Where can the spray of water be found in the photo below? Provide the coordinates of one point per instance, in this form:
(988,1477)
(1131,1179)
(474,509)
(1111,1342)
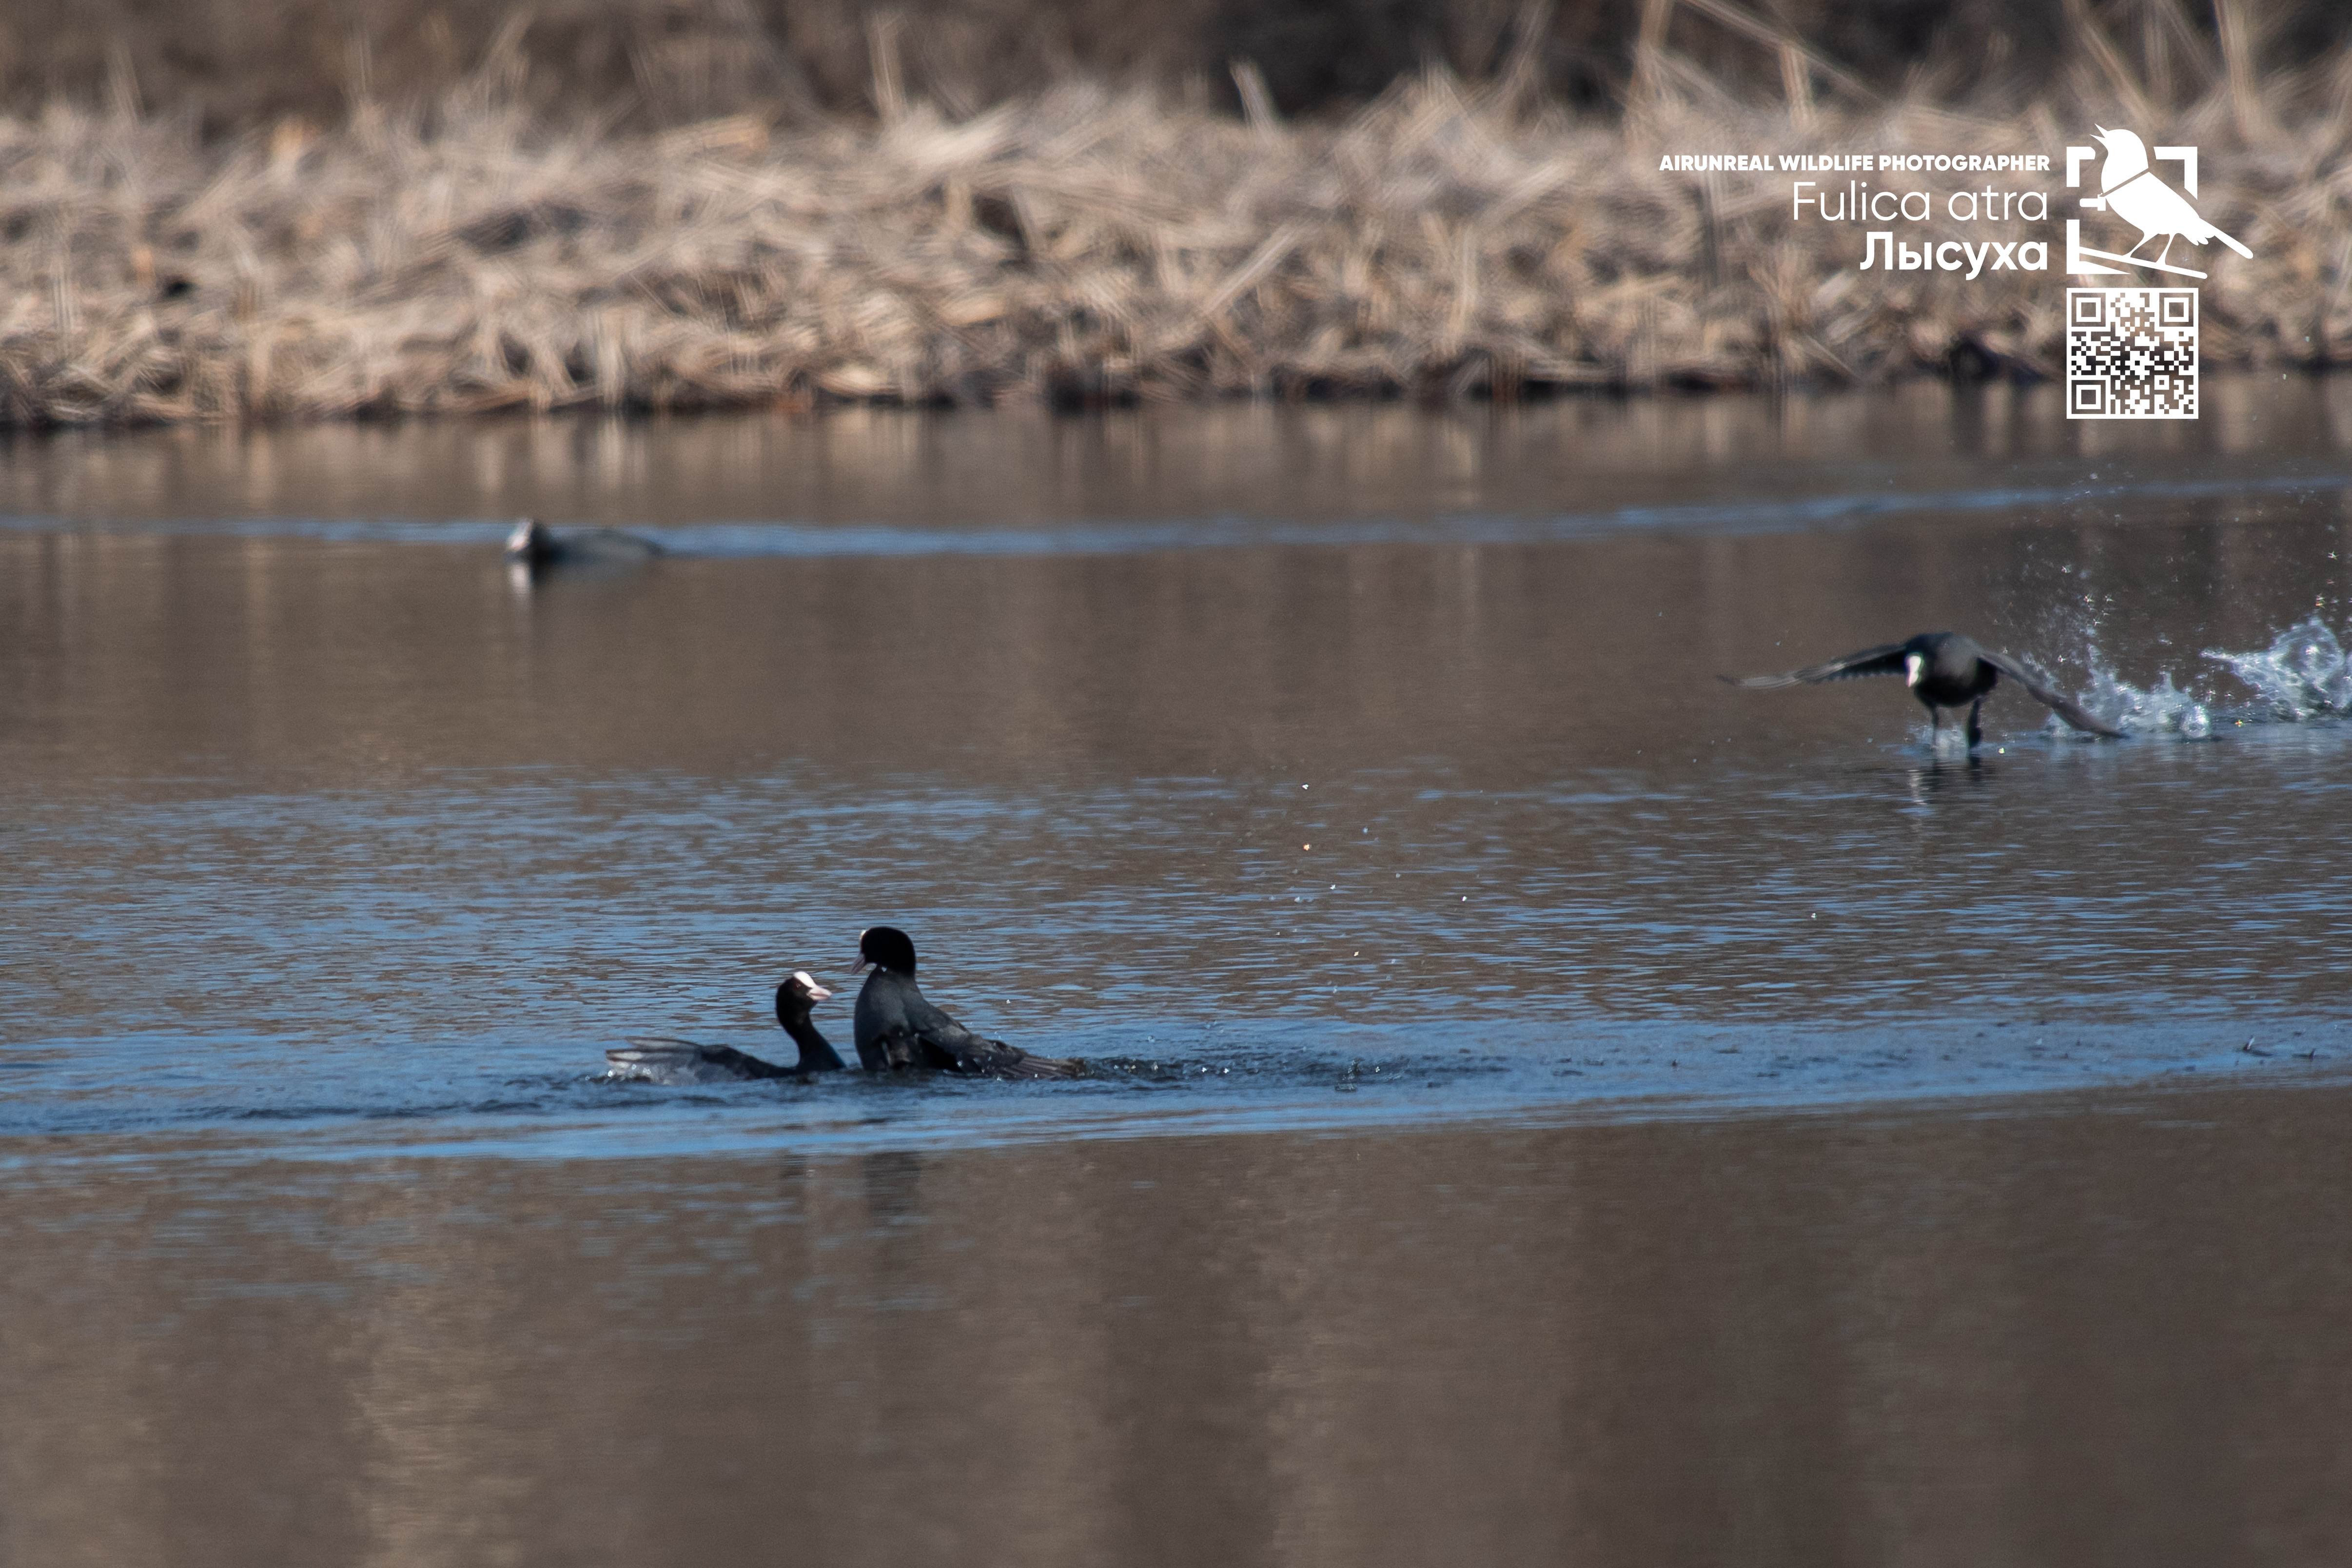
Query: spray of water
(2303,674)
(2163,709)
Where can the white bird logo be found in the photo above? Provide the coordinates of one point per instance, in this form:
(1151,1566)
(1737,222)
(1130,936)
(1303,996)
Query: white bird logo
(2131,190)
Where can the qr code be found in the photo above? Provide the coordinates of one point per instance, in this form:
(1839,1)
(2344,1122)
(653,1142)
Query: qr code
(2131,353)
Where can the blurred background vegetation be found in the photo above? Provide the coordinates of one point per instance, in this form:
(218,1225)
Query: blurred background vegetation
(291,209)
(228,65)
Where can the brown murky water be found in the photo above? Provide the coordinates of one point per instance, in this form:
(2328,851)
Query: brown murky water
(1548,1105)
(2088,1330)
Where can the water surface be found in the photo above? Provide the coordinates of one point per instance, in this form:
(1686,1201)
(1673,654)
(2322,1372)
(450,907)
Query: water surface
(2080,1328)
(1668,1122)
(313,828)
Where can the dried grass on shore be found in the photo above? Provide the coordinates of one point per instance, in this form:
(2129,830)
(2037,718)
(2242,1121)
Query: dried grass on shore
(1076,246)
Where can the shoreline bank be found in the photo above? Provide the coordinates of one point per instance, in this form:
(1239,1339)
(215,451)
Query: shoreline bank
(1075,248)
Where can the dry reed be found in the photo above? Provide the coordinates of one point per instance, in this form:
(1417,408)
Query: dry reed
(1078,245)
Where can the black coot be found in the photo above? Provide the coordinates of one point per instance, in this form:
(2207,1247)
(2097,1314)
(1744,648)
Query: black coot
(683,1061)
(533,549)
(898,1027)
(1944,669)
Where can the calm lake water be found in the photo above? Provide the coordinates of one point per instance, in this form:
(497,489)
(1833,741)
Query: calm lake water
(1547,1104)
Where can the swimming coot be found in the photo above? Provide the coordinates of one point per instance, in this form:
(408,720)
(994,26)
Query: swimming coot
(897,1027)
(683,1061)
(532,545)
(534,549)
(1943,669)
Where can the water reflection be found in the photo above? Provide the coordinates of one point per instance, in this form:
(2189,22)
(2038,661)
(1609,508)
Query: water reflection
(1292,463)
(2040,1336)
(134,654)
(1940,775)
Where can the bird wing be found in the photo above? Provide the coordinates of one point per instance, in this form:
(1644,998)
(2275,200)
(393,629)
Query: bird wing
(915,1032)
(900,1046)
(685,1061)
(1029,1065)
(654,1050)
(994,1058)
(1886,659)
(977,1058)
(931,1039)
(2050,696)
(991,1059)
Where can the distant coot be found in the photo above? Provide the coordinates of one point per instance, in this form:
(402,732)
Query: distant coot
(532,545)
(683,1061)
(1943,669)
(898,1027)
(534,549)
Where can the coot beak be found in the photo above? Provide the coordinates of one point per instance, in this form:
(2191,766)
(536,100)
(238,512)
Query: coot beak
(819,993)
(858,967)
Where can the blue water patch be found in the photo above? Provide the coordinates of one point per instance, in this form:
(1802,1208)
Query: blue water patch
(443,967)
(786,538)
(131,1099)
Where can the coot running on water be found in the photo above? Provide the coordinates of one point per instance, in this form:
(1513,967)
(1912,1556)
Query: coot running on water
(683,1061)
(1943,669)
(897,1027)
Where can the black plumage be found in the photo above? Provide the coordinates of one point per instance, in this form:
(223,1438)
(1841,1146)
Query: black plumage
(1944,669)
(533,549)
(533,545)
(685,1061)
(898,1027)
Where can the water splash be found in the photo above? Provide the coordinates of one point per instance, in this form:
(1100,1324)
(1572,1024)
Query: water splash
(2303,674)
(2163,709)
